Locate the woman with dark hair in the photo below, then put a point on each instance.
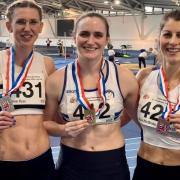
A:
(88, 97)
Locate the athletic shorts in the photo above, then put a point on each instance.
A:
(146, 170)
(39, 168)
(77, 164)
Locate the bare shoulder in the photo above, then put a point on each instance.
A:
(143, 74)
(49, 64)
(125, 74)
(55, 82)
(127, 80)
(57, 76)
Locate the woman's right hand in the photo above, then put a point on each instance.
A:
(74, 128)
(6, 120)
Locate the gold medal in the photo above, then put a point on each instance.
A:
(6, 104)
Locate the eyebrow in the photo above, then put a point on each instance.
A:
(84, 31)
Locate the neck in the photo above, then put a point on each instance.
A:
(172, 76)
(90, 66)
(172, 72)
(21, 55)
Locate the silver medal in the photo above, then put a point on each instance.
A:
(6, 104)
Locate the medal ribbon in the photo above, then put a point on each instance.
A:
(164, 89)
(11, 83)
(80, 88)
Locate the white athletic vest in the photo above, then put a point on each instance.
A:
(151, 105)
(30, 99)
(72, 110)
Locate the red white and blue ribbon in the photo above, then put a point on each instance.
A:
(165, 91)
(13, 84)
(80, 88)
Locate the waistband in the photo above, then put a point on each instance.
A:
(46, 155)
(72, 155)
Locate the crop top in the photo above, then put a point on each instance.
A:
(151, 105)
(71, 109)
(30, 98)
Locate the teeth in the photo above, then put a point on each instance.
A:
(173, 50)
(90, 49)
(26, 36)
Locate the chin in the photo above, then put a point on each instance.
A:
(27, 43)
(173, 60)
(93, 58)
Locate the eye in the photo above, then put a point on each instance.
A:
(21, 21)
(167, 35)
(24, 21)
(178, 35)
(98, 34)
(84, 34)
(33, 22)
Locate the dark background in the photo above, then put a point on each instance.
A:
(65, 25)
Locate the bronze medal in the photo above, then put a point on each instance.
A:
(90, 115)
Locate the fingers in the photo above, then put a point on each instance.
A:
(74, 128)
(6, 120)
(175, 119)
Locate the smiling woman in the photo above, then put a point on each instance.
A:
(25, 24)
(25, 152)
(90, 38)
(159, 108)
(85, 105)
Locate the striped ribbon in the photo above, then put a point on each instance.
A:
(80, 88)
(165, 91)
(11, 83)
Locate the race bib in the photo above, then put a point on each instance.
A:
(32, 91)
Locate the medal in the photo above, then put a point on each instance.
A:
(6, 104)
(12, 84)
(163, 126)
(90, 115)
(89, 109)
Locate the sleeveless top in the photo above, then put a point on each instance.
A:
(71, 109)
(151, 105)
(30, 98)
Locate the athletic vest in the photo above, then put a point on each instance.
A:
(151, 105)
(71, 109)
(30, 98)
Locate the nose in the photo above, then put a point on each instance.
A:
(174, 39)
(91, 39)
(27, 26)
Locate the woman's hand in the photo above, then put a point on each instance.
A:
(74, 128)
(175, 119)
(6, 120)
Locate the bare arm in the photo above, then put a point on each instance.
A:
(51, 110)
(141, 76)
(129, 88)
(54, 123)
(49, 64)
